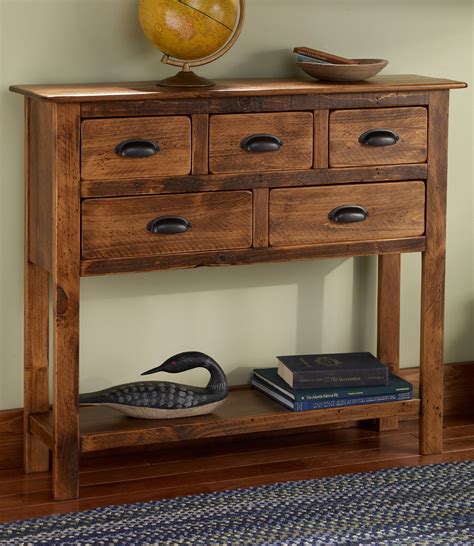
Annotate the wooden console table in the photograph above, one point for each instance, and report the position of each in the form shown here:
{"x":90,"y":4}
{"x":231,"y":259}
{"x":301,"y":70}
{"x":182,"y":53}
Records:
{"x":132,"y":177}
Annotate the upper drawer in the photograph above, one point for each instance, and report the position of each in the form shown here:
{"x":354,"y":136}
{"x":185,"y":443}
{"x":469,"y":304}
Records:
{"x":304,"y":216}
{"x":261,"y":142}
{"x":136,"y":147}
{"x":165,"y":224}
{"x":378,"y":136}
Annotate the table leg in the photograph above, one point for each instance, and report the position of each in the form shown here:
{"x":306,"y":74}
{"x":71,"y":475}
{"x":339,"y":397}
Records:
{"x":433,"y":278}
{"x":388,"y":321}
{"x":36,"y":340}
{"x":66,"y":286}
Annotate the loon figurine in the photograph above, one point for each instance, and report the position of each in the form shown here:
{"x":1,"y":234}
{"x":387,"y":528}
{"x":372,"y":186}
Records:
{"x":162,"y":399}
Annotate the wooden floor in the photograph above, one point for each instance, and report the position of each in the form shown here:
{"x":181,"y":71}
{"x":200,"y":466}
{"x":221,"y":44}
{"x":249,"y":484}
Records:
{"x":213,"y":466}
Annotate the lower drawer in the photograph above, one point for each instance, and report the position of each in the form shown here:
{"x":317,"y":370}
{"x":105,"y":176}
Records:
{"x":303,"y":216}
{"x":144,"y":226}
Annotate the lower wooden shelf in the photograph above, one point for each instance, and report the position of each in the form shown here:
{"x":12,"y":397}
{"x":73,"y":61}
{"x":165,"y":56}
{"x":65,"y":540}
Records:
{"x":245,"y":411}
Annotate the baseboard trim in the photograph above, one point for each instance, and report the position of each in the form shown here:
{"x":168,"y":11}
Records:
{"x":458,"y":381}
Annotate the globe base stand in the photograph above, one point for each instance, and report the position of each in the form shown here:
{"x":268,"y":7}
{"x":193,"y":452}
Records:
{"x":186,"y":79}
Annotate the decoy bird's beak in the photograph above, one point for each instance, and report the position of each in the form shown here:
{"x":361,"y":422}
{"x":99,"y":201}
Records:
{"x":154,"y":370}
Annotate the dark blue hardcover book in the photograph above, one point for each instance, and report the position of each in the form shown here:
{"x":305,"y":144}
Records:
{"x":309,"y":405}
{"x":270,"y":377}
{"x":332,"y":370}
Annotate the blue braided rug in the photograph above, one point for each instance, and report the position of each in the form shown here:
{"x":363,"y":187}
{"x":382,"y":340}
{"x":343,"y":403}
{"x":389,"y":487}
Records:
{"x":410,"y":506}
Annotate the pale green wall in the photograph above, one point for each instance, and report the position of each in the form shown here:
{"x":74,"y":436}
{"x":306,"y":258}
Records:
{"x":243,"y":316}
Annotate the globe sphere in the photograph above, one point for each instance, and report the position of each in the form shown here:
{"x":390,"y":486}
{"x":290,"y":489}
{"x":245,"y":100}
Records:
{"x":188,"y":30}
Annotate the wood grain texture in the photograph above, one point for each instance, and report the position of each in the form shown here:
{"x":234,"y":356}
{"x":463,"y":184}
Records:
{"x":260,"y":217}
{"x":458,"y":379}
{"x":121,"y":91}
{"x":433,"y":278}
{"x":200,"y":140}
{"x":218,"y":466}
{"x":66,"y":280}
{"x":11,"y":439}
{"x":255,"y":104}
{"x":299,"y":216}
{"x":114,"y":228}
{"x":344,"y":249}
{"x":37,"y":245}
{"x":321,"y":139}
{"x":39,"y":164}
{"x":457,"y":387}
{"x":244,"y":411}
{"x":124,"y":191}
{"x":346,"y":126}
{"x":388,"y":320}
{"x":36,"y":361}
{"x":100,"y":138}
{"x":295,"y":129}
{"x":244,"y":181}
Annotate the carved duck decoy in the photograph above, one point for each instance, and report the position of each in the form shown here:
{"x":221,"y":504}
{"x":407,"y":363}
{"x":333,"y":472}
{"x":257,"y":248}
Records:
{"x":163,"y":399}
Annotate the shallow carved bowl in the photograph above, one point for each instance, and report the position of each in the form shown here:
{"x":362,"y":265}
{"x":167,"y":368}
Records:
{"x":363,"y":70}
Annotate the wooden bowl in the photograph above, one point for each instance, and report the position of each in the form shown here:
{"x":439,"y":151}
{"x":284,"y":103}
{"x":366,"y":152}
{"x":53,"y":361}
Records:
{"x":363,"y":70}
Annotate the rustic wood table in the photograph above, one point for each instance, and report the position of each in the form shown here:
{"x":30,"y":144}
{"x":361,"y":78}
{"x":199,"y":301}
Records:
{"x":132,"y":177}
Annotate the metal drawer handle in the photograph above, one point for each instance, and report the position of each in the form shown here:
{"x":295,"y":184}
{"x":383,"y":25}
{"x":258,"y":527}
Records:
{"x":348,"y":214}
{"x":137,"y":147}
{"x":379,"y":137}
{"x":169,"y":225}
{"x":261,"y":143}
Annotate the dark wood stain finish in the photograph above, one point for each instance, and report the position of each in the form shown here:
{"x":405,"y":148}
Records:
{"x":388,"y":320}
{"x":37,"y":263}
{"x":237,"y":212}
{"x":207,"y":466}
{"x":99,"y":160}
{"x":347,"y":126}
{"x":65,"y":279}
{"x":245,"y":411}
{"x":114,"y":228}
{"x":251,"y":256}
{"x":149,"y":91}
{"x":433,"y":278}
{"x":302,"y":215}
{"x":293,"y":129}
{"x":246,"y":181}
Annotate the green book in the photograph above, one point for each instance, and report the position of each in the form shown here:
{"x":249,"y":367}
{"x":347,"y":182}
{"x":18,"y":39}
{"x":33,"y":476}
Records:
{"x":269,"y":376}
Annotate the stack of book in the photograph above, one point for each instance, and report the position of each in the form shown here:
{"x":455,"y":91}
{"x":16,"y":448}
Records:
{"x":309,"y":382}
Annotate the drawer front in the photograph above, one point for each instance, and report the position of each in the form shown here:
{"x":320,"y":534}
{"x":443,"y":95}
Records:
{"x":136,"y":147}
{"x":261,"y":142}
{"x":120,"y":227}
{"x":302,"y":216}
{"x":379,"y":136}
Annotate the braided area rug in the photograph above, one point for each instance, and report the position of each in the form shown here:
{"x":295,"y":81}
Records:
{"x":411,"y":506}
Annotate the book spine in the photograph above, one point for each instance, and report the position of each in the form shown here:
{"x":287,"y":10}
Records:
{"x":329,"y":394}
{"x":318,"y":380}
{"x":377,"y":390}
{"x":344,"y":402}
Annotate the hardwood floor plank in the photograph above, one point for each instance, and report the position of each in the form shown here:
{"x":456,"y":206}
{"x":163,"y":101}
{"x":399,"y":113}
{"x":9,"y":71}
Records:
{"x":179,"y":468}
{"x":149,"y":495}
{"x":215,"y":466}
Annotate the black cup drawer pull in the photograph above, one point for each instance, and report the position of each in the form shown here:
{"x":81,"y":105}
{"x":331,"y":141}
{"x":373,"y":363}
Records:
{"x":348,"y":214}
{"x":169,"y":225}
{"x":379,"y":137}
{"x":261,"y":143}
{"x":137,"y":147}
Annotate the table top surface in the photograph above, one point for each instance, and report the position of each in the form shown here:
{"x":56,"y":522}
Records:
{"x":227,"y":88}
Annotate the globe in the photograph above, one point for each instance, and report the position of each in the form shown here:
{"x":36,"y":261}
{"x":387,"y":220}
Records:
{"x":191,"y":32}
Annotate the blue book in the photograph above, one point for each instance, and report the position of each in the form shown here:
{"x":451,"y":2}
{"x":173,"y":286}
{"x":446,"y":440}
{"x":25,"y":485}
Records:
{"x":300,"y":58}
{"x":332,"y":370}
{"x":309,"y":405}
{"x":270,"y":377}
